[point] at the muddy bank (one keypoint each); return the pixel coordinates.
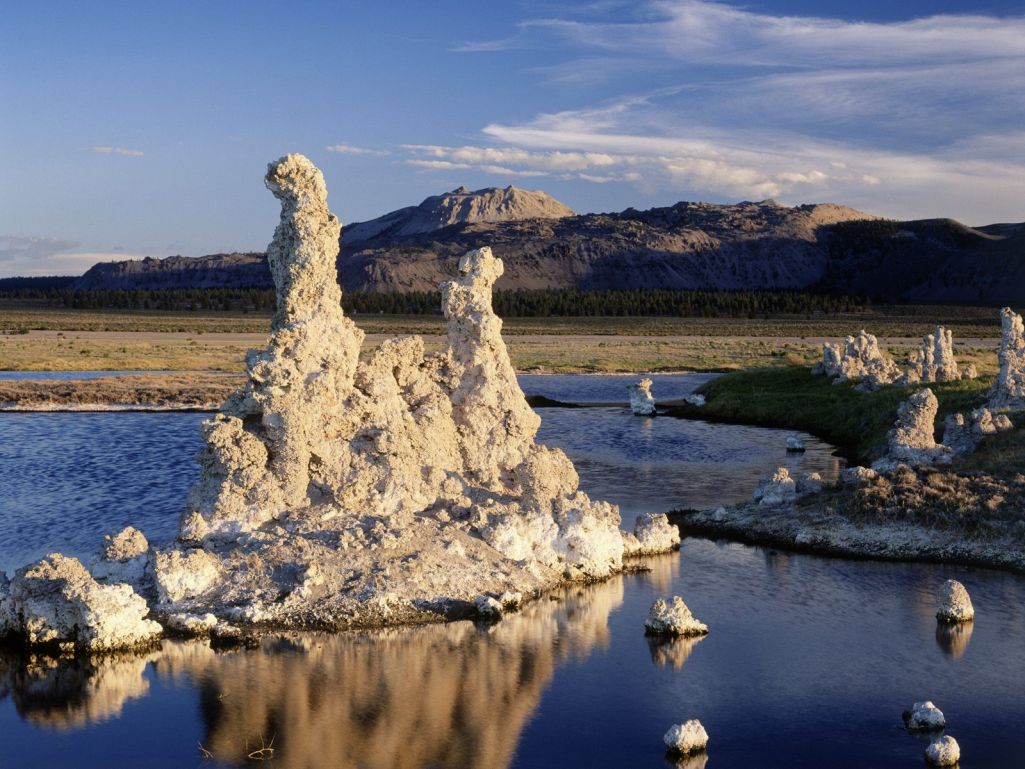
(138, 392)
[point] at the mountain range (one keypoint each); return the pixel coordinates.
(544, 244)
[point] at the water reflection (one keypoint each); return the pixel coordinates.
(672, 652)
(953, 639)
(452, 695)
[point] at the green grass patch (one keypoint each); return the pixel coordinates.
(792, 397)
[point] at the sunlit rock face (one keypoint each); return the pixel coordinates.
(440, 695)
(642, 404)
(858, 359)
(337, 492)
(1008, 391)
(935, 361)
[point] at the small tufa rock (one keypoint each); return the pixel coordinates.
(924, 716)
(652, 534)
(808, 485)
(642, 404)
(688, 737)
(964, 434)
(672, 619)
(780, 489)
(795, 444)
(943, 751)
(851, 476)
(695, 399)
(56, 600)
(125, 558)
(955, 603)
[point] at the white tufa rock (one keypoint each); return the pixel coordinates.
(642, 404)
(858, 359)
(688, 737)
(963, 434)
(809, 484)
(911, 441)
(924, 716)
(695, 399)
(56, 601)
(795, 444)
(339, 492)
(943, 751)
(125, 557)
(653, 533)
(1008, 391)
(672, 619)
(852, 476)
(935, 361)
(780, 489)
(955, 603)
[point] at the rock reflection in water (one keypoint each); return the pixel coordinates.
(672, 652)
(66, 692)
(447, 695)
(953, 639)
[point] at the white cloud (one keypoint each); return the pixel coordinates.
(116, 151)
(31, 256)
(912, 118)
(348, 149)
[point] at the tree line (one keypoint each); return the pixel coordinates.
(537, 303)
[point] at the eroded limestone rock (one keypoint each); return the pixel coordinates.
(653, 533)
(912, 441)
(688, 737)
(1008, 391)
(672, 618)
(642, 404)
(780, 489)
(955, 603)
(943, 751)
(963, 433)
(57, 601)
(858, 359)
(125, 557)
(852, 476)
(340, 492)
(924, 716)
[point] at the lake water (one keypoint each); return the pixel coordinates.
(809, 661)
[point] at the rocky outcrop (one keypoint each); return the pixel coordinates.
(336, 491)
(780, 489)
(858, 359)
(924, 716)
(912, 441)
(943, 751)
(963, 433)
(672, 618)
(652, 534)
(685, 738)
(1008, 391)
(642, 404)
(955, 603)
(935, 361)
(56, 601)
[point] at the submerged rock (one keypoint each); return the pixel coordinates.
(57, 601)
(688, 737)
(1008, 391)
(963, 434)
(912, 441)
(943, 751)
(795, 444)
(672, 619)
(955, 603)
(642, 404)
(924, 716)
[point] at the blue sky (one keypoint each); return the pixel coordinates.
(144, 129)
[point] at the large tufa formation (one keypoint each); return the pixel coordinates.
(338, 492)
(935, 361)
(858, 359)
(912, 439)
(642, 404)
(1008, 391)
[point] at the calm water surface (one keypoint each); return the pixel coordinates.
(808, 664)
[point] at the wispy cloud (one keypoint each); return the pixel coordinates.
(911, 118)
(348, 149)
(117, 151)
(35, 255)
